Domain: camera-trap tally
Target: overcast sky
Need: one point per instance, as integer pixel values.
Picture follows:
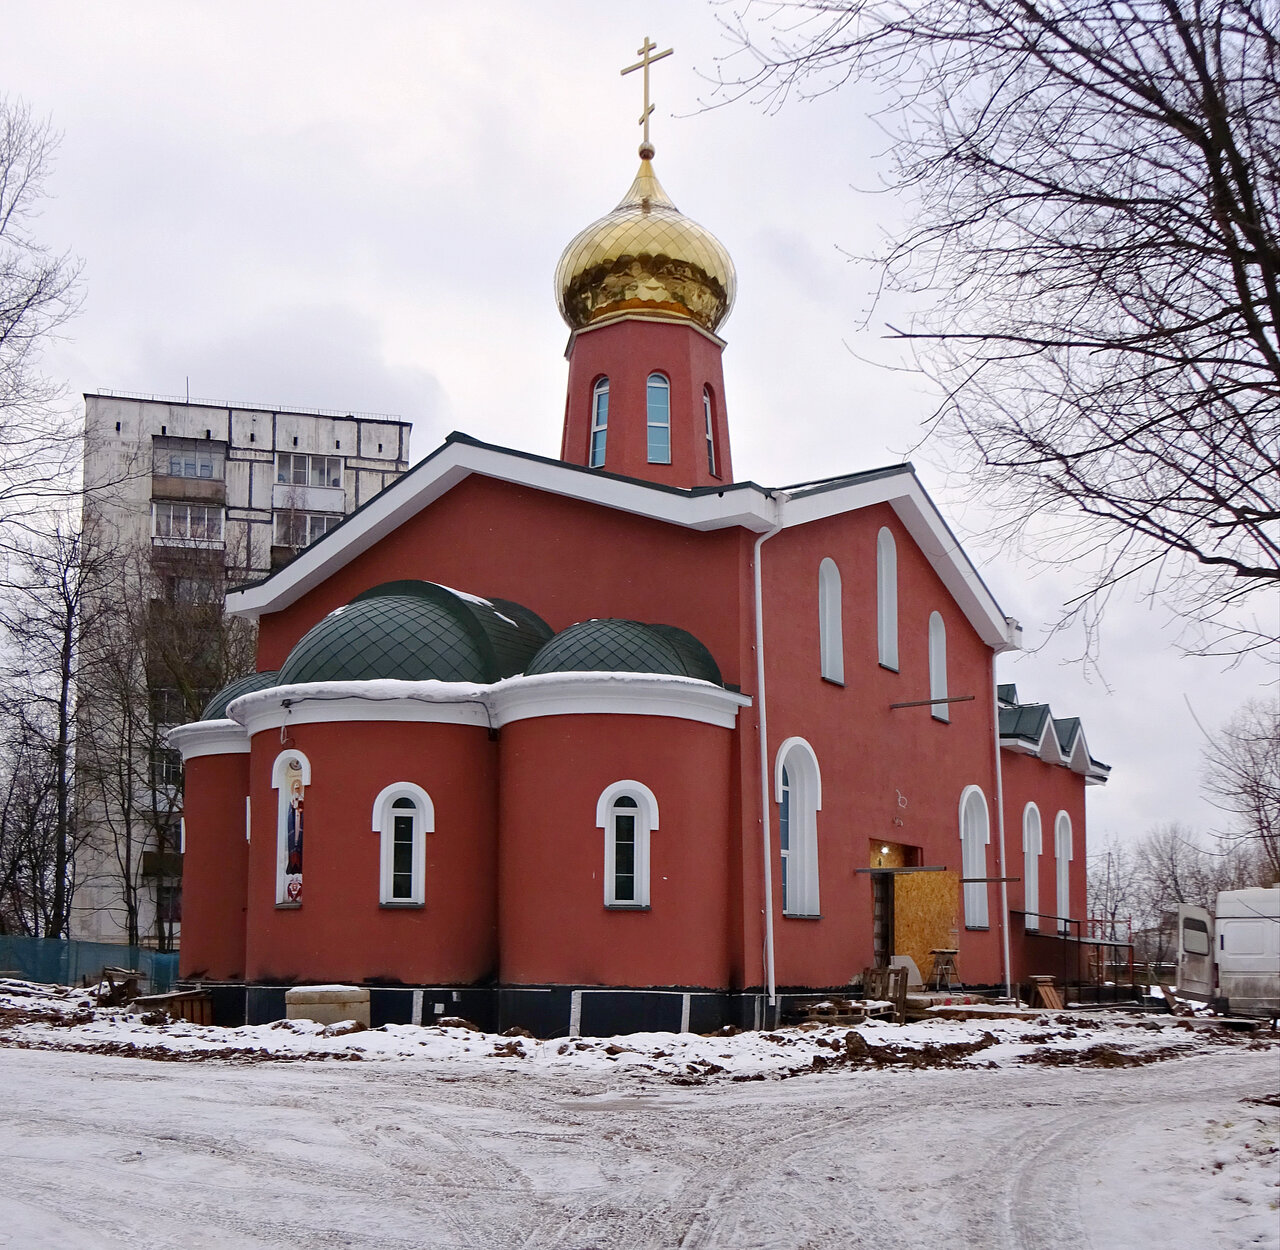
(360, 207)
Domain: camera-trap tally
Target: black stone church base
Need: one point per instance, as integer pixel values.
(545, 1011)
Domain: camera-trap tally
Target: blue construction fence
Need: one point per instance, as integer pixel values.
(57, 961)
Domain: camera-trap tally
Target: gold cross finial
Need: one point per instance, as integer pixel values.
(646, 148)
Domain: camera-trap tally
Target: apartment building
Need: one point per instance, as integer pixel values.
(188, 497)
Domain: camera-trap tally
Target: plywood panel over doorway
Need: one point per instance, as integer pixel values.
(926, 915)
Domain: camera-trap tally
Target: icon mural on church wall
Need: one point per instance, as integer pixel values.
(296, 790)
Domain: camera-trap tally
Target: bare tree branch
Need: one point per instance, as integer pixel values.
(1097, 226)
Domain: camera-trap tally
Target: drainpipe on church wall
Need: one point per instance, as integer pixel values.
(761, 712)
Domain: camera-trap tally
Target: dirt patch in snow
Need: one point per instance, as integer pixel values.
(1101, 1056)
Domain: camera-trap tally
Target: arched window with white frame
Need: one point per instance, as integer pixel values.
(627, 811)
(1062, 852)
(887, 599)
(711, 431)
(658, 417)
(938, 666)
(403, 814)
(830, 632)
(290, 777)
(798, 790)
(599, 423)
(1032, 845)
(975, 835)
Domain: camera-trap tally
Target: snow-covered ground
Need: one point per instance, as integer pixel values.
(1060, 1130)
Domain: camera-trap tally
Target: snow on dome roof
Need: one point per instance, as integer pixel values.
(417, 631)
(621, 646)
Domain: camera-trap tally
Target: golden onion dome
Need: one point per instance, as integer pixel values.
(645, 256)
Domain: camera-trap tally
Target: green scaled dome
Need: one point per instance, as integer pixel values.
(620, 646)
(417, 631)
(216, 708)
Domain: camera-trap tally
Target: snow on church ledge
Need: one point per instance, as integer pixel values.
(461, 703)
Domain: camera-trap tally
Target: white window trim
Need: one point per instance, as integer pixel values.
(646, 813)
(1062, 839)
(938, 667)
(973, 861)
(424, 822)
(887, 598)
(311, 458)
(805, 784)
(712, 467)
(600, 388)
(278, 769)
(651, 424)
(173, 540)
(1032, 845)
(830, 629)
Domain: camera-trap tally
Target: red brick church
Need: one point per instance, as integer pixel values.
(615, 741)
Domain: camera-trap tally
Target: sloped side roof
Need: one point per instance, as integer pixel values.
(1032, 729)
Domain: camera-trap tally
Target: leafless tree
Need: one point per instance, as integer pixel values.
(45, 617)
(39, 288)
(1095, 190)
(1172, 864)
(1114, 887)
(164, 647)
(1242, 774)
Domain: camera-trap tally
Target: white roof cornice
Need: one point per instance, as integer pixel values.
(744, 505)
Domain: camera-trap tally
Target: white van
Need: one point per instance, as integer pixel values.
(1233, 960)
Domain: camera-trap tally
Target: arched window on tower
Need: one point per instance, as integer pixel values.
(1032, 844)
(830, 636)
(599, 422)
(975, 834)
(938, 666)
(798, 788)
(711, 431)
(887, 599)
(658, 410)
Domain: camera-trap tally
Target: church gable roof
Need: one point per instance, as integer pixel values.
(744, 505)
(1032, 729)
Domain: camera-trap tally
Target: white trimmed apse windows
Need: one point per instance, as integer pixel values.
(1062, 852)
(627, 811)
(887, 599)
(658, 418)
(1032, 845)
(798, 790)
(975, 834)
(938, 666)
(403, 814)
(830, 630)
(290, 777)
(599, 423)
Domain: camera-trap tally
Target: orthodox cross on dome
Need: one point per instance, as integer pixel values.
(646, 148)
